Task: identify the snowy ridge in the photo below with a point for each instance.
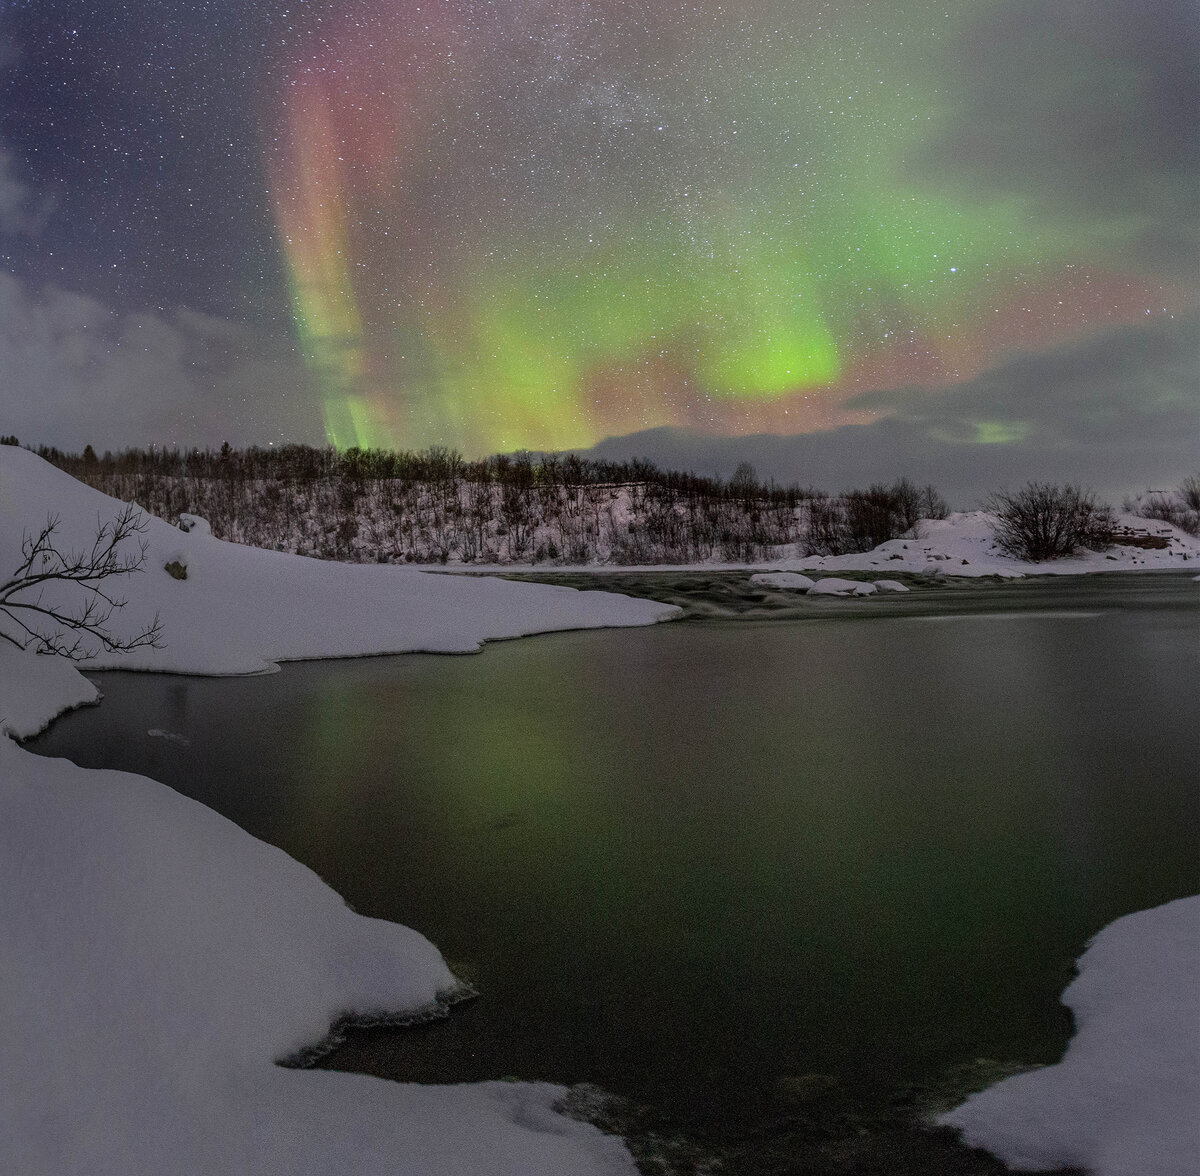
(241, 610)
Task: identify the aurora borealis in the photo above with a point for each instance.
(540, 223)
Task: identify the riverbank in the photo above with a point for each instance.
(961, 546)
(710, 594)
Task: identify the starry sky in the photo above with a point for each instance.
(497, 224)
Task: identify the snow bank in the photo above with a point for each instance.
(890, 586)
(242, 609)
(34, 689)
(793, 580)
(157, 960)
(1124, 1099)
(963, 545)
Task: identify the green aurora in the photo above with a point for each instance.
(541, 225)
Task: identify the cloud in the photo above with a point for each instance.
(76, 373)
(1087, 109)
(1116, 411)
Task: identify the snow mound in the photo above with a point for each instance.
(833, 586)
(890, 586)
(963, 544)
(158, 960)
(793, 580)
(33, 689)
(251, 608)
(1123, 1101)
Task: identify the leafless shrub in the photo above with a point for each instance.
(1180, 508)
(1042, 521)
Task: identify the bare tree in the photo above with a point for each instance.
(1189, 492)
(1041, 521)
(933, 505)
(78, 631)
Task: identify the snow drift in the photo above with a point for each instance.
(1124, 1099)
(157, 961)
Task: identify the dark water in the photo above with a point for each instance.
(695, 862)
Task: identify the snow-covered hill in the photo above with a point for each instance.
(241, 609)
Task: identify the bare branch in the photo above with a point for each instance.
(119, 549)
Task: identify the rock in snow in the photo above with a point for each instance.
(194, 524)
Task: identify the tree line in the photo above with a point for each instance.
(435, 506)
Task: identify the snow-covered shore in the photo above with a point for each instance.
(1124, 1099)
(157, 961)
(963, 545)
(240, 609)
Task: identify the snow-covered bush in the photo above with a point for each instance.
(1042, 521)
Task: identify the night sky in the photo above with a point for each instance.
(538, 223)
